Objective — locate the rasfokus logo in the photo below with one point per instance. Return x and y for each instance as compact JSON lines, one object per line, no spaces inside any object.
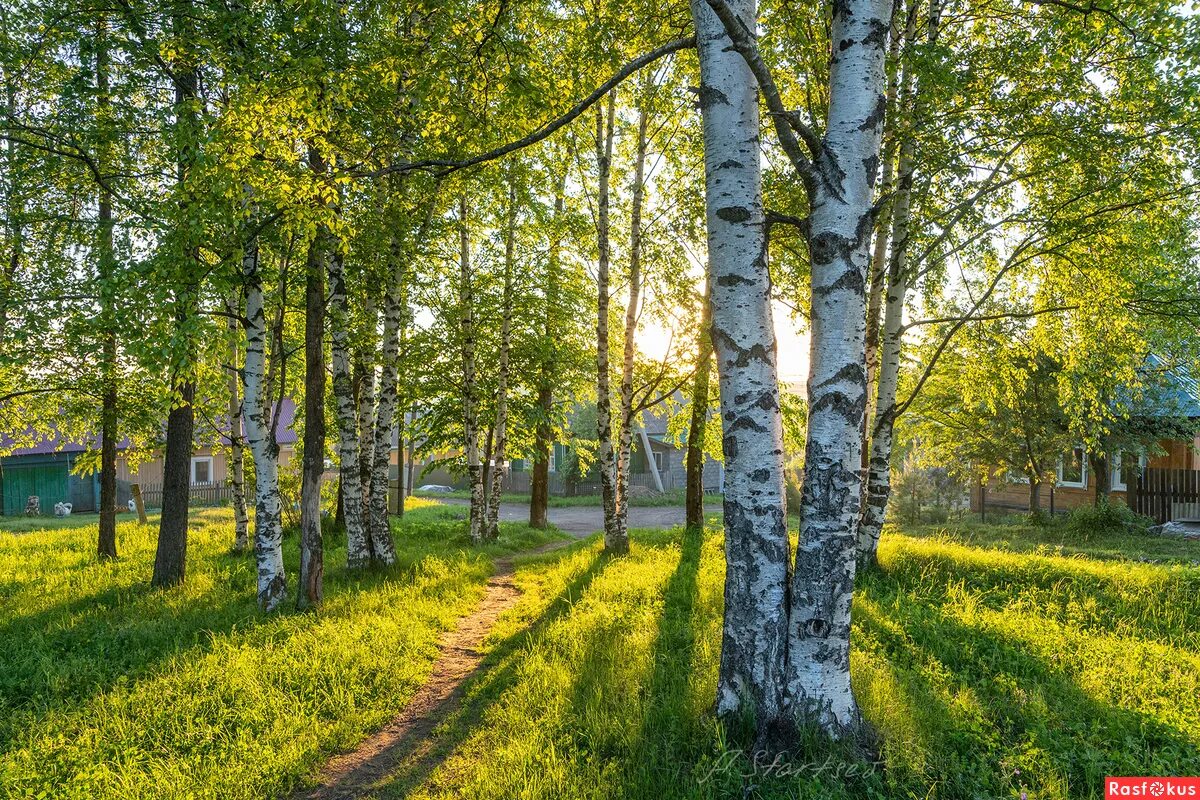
{"x":1151,"y":787}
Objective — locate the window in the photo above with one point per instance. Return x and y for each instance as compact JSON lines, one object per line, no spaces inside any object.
{"x":660,"y":461}
{"x":1072,"y":469}
{"x":202,"y":470}
{"x":1126,"y":467}
{"x":550,"y":466}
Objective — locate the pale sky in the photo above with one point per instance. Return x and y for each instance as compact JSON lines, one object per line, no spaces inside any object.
{"x":653,"y":339}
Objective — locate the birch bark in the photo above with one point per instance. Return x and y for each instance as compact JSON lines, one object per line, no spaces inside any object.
{"x":470,"y":389}
{"x":753,"y":643}
{"x":382,"y":545}
{"x":884,"y":420}
{"x":107,"y":542}
{"x":268,"y":505}
{"x":632,"y":308}
{"x":500,"y":451}
{"x":237,"y":471}
{"x":615,"y":539}
{"x":358,"y":552}
{"x":841,"y":221}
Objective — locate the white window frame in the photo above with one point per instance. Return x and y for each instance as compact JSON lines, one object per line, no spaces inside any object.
{"x":205,"y":459}
{"x":1083,"y":470}
{"x":550,"y":463}
{"x":660,"y":460}
{"x":1117,"y":485}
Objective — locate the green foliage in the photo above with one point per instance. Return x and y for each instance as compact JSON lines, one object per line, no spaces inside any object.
{"x":1106,"y":516}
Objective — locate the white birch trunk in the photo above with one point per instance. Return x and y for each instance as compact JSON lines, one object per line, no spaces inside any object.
{"x":879,"y":474}
{"x":616,"y":540}
{"x":753,"y":644}
{"x":364,"y":381}
{"x":841,"y":222}
{"x":500,"y":451}
{"x":470,"y":390}
{"x":627,"y":413}
{"x":268,"y":522}
{"x":383,"y":547}
{"x":237,"y":472}
{"x":358,"y":552}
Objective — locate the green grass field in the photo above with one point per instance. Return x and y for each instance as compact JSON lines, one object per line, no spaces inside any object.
{"x":109,"y":689}
{"x":991,"y":661}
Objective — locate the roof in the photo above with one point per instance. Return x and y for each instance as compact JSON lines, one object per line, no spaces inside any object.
{"x":1178,"y":395}
{"x":53,"y":443}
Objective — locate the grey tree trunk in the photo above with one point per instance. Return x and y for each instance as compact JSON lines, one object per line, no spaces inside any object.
{"x":616,"y":540}
{"x":107,"y":541}
{"x":312,"y":551}
{"x":500,"y":451}
{"x":822,"y":587}
{"x":237,"y":471}
{"x":268,"y":504}
{"x":753,"y":642}
{"x":171,"y":556}
{"x":694,"y":496}
{"x":539,"y":488}
{"x":884,"y":420}
{"x":382,"y":545}
{"x":470,"y":390}
{"x":364,"y":386}
{"x":627,"y":413}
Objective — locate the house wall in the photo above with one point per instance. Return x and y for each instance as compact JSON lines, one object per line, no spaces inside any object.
{"x":1015,"y":496}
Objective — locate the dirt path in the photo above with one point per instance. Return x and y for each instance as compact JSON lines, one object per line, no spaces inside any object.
{"x":409,"y":737}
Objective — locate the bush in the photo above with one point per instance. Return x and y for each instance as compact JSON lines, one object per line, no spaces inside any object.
{"x":1106,"y":517}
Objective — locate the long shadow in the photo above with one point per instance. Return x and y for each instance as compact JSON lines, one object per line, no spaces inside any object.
{"x":1025,"y":707}
{"x":411,"y":759}
{"x":1167,"y":609}
{"x":668,"y":726}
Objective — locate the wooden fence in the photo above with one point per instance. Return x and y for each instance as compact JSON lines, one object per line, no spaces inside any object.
{"x":200,"y":494}
{"x":1168,"y":494}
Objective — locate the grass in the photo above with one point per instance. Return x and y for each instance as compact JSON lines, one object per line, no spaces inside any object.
{"x":669,"y":498}
{"x":988,"y":663}
{"x":109,"y":689}
{"x":991,"y":661}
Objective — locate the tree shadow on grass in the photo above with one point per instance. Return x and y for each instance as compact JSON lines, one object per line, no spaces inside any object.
{"x":992,"y":715}
{"x":410,"y":760}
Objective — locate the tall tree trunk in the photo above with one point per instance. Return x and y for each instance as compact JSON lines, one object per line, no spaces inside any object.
{"x":616,"y":540}
{"x":237,"y":471}
{"x":382,"y":545}
{"x":260,"y":434}
{"x":14,"y":209}
{"x":627,"y":412}
{"x":822,"y":584}
{"x":753,"y":642}
{"x":884,"y":421}
{"x":694,"y":499}
{"x":1035,"y":496}
{"x":879,"y":254}
{"x":1102,"y":475}
{"x":171,"y":556}
{"x":312,"y":551}
{"x":539,"y":489}
{"x":500,"y":452}
{"x":470,"y":389}
{"x":364,"y":385}
{"x":107,"y":542}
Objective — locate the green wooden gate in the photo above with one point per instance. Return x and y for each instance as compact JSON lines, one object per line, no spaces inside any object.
{"x":47,"y":481}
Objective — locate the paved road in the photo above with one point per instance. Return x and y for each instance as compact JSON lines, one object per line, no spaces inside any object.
{"x":581,"y":521}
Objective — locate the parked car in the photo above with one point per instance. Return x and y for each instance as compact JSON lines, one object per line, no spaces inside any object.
{"x":436,"y":488}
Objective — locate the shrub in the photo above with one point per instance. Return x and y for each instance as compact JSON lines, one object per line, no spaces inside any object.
{"x":1106,"y":517}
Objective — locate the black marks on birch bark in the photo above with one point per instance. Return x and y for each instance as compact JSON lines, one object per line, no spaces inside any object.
{"x":710,"y":96}
{"x":733,"y":280}
{"x":734,"y":214}
{"x":853,"y":373}
{"x":843,"y":405}
{"x":875,"y":118}
{"x":852,"y":280}
{"x":730,"y":164}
